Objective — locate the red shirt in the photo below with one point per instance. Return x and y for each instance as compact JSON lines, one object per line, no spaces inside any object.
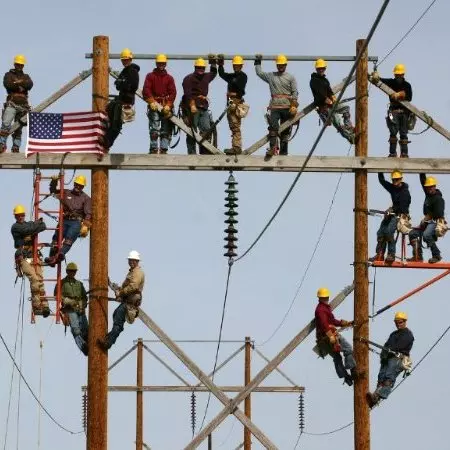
{"x":160,"y":86}
{"x":325,"y":319}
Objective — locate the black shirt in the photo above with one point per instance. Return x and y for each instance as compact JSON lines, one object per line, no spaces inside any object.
{"x":236,"y":81}
{"x":400,"y":341}
{"x":434,"y":204}
{"x":401,"y":198}
{"x":128,"y":83}
{"x":397,"y":85}
{"x":321,"y":89}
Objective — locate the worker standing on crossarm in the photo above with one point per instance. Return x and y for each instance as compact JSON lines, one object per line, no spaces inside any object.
{"x":394,"y":359}
{"x":17,"y":85}
{"x":77,"y":217}
{"x":237,"y":82}
{"x":195,"y":103}
{"x":24,"y":234}
{"x":283,"y":104}
{"x":121,"y":108}
{"x":130,"y":297}
{"x":330,"y":342}
{"x":159,"y":88}
{"x":433,"y":224}
{"x":399,"y":211}
{"x":73,"y":306}
{"x":324,"y":100}
{"x":397,"y":115}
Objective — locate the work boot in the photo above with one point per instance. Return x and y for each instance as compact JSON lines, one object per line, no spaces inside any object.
{"x":15,"y":149}
{"x":2,"y":148}
{"x":153,"y":151}
{"x":104,"y":344}
{"x":85,"y":349}
{"x":45,"y":311}
{"x":372,"y":399}
{"x":60,"y":257}
{"x":403,"y":148}
{"x":417,"y":252}
{"x":380,"y":250}
{"x":404,"y":155}
{"x":348,"y":380}
{"x":163,"y":151}
{"x":233,"y":151}
{"x":435,"y":259}
{"x":273,"y":151}
{"x":284,"y":148}
{"x":51,"y":261}
{"x":390,"y":258}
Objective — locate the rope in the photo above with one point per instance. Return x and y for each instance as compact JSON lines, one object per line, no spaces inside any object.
{"x":20,"y":367}
{"x":324,"y":127}
{"x":32,"y":392}
{"x":310,"y":260}
{"x":429,"y":121}
{"x":230,"y":265}
{"x":407,"y":33}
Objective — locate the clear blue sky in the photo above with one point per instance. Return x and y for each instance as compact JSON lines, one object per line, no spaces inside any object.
{"x":176,"y":221}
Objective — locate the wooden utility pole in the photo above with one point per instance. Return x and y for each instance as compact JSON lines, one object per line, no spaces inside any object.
{"x":247,"y":402}
{"x":97,"y":414}
{"x":361,"y":313}
{"x":139,"y":396}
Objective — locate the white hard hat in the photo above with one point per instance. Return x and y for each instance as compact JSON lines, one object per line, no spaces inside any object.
{"x":134,"y":255}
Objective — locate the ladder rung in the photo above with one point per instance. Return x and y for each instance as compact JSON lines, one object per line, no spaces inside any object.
{"x":51,"y":228}
{"x":49,"y":211}
{"x":50,"y":177}
{"x":45,"y":194}
{"x":50,"y":279}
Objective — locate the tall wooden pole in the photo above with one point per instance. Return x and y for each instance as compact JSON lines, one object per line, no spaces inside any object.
{"x":97,"y":414}
{"x":247,"y":402}
{"x":361,"y":305}
{"x":139,"y":396}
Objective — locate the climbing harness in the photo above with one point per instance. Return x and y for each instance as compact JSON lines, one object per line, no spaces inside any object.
{"x":214,"y":124}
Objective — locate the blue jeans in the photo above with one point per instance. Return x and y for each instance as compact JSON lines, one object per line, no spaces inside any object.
{"x":71,"y":231}
{"x":79,"y":327}
{"x":387,"y":230}
{"x":390,"y":369}
{"x":201,"y":122}
{"x":159,"y":127}
{"x":428,"y":234}
{"x":341,"y":120}
{"x":118,"y":323}
{"x":11,"y":114}
{"x":340,"y":366}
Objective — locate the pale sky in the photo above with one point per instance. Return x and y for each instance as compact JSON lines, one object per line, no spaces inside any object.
{"x":175,"y":220}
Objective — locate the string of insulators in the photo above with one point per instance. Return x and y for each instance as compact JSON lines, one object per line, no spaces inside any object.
{"x":301,"y":413}
{"x":84,"y":410}
{"x":231,"y":213}
{"x":193,"y":412}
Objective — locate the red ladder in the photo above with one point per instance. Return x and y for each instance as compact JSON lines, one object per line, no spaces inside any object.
{"x":39,"y":212}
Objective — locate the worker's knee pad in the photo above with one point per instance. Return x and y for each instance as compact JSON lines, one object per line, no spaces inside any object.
{"x":393,"y":139}
{"x":404,"y":142}
{"x":387,"y":383}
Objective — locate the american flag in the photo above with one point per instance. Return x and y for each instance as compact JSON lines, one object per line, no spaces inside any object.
{"x":69,"y":132}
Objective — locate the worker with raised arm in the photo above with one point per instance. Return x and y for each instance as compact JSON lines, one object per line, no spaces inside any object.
{"x":236,"y":83}
{"x":159,"y":88}
{"x":17,"y":84}
{"x":394,"y":359}
{"x":283,"y":104}
{"x":330,"y":341}
{"x":73,"y":306}
{"x":324,"y":100}
{"x":130,"y":297}
{"x":397,"y":115}
{"x":24,"y":233}
{"x":76,"y":220}
{"x":433,"y":224}
{"x":398,"y":212}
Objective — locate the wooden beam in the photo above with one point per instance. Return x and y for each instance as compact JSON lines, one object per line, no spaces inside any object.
{"x":139,"y":161}
{"x":305,"y":111}
{"x":172,"y":388}
{"x":422,"y":115}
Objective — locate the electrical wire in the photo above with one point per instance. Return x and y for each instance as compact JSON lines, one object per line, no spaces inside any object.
{"x":322,"y":131}
{"x":308,"y":266}
{"x":407,"y":33}
{"x":20,"y":367}
{"x":326,"y":433}
{"x":230,"y":265}
{"x":32,"y":392}
{"x":298,"y":440}
{"x":229,"y":434}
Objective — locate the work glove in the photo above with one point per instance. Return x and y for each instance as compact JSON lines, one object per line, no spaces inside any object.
{"x":153,"y":105}
{"x":193,"y":107}
{"x":347,"y":323}
{"x":293,"y":110}
{"x":212,"y":59}
{"x":85,"y":227}
{"x":332,"y":337}
{"x":220,"y":59}
{"x":398,"y":96}
{"x":167,"y":111}
{"x":375,"y":77}
{"x":258,"y":59}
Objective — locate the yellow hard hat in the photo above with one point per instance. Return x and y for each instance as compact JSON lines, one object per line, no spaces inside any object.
{"x":71,"y":266}
{"x":126,"y":53}
{"x":321,"y":64}
{"x":200,"y":62}
{"x":323,"y":292}
{"x":396,"y":174}
{"x":281,"y":59}
{"x":19,"y":209}
{"x":20,"y":59}
{"x":401,"y":316}
{"x":161,"y":58}
{"x":430,"y":181}
{"x":399,"y":69}
{"x":80,"y":179}
{"x":238,"y":60}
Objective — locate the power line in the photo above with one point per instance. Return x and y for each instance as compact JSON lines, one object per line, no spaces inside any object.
{"x":313,"y":254}
{"x":298,"y":439}
{"x":322,"y":131}
{"x":407,"y":33}
{"x":32,"y":393}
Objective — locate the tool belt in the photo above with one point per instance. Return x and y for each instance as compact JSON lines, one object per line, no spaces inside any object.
{"x":128,"y":112}
{"x":441,"y":227}
{"x":75,"y":304}
{"x":132,"y":303}
{"x":404,"y":225}
{"x":73,"y":216}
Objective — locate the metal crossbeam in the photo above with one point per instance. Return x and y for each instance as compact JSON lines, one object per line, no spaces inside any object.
{"x":173,"y":388}
{"x":139,"y":161}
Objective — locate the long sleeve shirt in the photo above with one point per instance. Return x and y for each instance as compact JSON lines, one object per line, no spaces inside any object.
{"x":237,"y":81}
{"x":75,"y":206}
{"x":73,"y":288}
{"x":320,"y":88}
{"x":133,"y":283}
{"x":196,"y":88}
{"x":325,"y":320}
{"x":23,"y":234}
{"x":397,"y":85}
{"x":17,"y":85}
{"x":401,"y":198}
{"x":128,"y":83}
{"x":434,"y":204}
{"x":283,"y":87}
{"x":399,"y":341}
{"x":159,"y":86}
